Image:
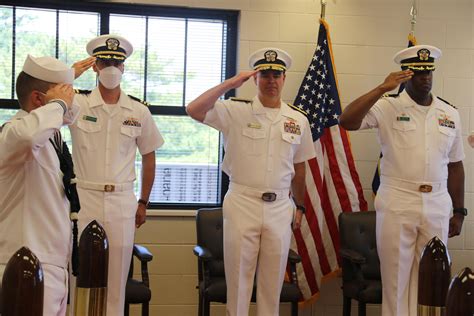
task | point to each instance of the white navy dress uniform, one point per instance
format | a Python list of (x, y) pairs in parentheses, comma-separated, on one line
[(412, 203), (34, 210), (261, 150), (105, 140)]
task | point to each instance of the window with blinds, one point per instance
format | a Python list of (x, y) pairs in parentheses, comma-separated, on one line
[(178, 54)]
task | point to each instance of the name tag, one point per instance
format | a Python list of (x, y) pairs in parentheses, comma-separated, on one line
[(254, 125), (403, 118), (89, 118)]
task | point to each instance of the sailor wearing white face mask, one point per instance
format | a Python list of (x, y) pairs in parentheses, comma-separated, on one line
[(110, 76), (110, 127)]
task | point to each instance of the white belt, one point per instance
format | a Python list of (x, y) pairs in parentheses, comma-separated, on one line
[(105, 187), (266, 195), (424, 187)]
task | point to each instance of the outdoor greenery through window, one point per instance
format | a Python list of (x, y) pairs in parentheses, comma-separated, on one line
[(178, 54)]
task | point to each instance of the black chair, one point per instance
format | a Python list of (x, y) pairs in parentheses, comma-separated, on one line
[(210, 252), (361, 279), (138, 291)]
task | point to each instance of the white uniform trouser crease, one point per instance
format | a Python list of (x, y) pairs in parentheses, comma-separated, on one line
[(256, 239), (116, 213), (406, 221)]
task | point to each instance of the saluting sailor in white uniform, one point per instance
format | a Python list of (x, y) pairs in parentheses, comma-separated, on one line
[(34, 210), (267, 143), (110, 127), (422, 174)]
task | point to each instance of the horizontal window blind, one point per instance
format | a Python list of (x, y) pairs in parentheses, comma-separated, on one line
[(178, 54)]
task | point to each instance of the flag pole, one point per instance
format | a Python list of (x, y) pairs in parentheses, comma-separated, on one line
[(413, 13), (323, 9)]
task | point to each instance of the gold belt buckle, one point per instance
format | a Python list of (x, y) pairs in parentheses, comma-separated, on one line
[(109, 188), (425, 188)]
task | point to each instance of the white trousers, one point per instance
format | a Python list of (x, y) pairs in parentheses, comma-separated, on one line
[(256, 239), (116, 213), (55, 289), (406, 221)]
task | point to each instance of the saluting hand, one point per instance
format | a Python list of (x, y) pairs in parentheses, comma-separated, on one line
[(394, 79), (82, 65), (241, 78), (61, 91)]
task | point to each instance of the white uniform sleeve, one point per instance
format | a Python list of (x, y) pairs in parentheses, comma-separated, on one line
[(457, 150), (372, 119), (219, 116), (150, 138), (20, 137), (305, 150)]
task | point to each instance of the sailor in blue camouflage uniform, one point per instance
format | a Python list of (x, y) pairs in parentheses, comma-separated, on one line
[(267, 143), (422, 174)]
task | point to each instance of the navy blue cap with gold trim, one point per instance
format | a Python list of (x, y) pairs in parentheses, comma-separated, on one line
[(270, 59), (418, 57), (109, 46)]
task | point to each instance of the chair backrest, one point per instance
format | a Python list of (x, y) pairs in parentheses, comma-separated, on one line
[(357, 232), (209, 229)]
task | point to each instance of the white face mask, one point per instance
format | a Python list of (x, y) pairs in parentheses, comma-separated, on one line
[(110, 77)]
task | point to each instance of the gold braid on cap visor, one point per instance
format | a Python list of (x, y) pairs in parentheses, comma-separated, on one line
[(270, 66), (419, 66), (110, 54)]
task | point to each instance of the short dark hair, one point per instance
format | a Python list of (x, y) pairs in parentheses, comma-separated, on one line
[(25, 84)]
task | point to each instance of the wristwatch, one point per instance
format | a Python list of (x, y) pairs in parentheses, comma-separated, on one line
[(460, 210), (301, 208), (144, 202)]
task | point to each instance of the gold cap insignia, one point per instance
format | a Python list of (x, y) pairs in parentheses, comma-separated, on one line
[(270, 55), (112, 43), (423, 54)]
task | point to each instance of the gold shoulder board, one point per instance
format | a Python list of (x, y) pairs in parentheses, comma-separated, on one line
[(240, 100), (447, 103), (390, 95), (139, 100), (297, 109), (79, 91)]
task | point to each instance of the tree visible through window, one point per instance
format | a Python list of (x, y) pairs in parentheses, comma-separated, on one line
[(178, 54)]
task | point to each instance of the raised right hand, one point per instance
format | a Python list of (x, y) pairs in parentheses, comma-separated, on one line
[(82, 65), (394, 79), (61, 91), (241, 78)]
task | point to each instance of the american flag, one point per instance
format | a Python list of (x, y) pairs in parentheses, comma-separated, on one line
[(332, 182)]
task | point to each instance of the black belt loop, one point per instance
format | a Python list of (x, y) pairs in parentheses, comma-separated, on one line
[(269, 196)]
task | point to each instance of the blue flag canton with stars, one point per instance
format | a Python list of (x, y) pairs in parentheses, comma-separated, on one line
[(318, 95)]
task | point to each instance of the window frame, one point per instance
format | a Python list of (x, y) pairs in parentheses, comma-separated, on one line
[(105, 10)]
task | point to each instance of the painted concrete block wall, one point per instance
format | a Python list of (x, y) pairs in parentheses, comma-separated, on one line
[(365, 35)]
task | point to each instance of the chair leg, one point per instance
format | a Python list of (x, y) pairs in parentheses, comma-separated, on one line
[(346, 306), (361, 309), (201, 303), (126, 309), (206, 307), (294, 308), (145, 309)]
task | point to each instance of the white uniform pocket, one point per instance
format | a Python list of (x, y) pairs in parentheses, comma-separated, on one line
[(288, 143), (404, 134), (446, 138), (88, 134), (253, 141), (128, 137)]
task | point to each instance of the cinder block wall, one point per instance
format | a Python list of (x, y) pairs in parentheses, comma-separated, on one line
[(365, 35)]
